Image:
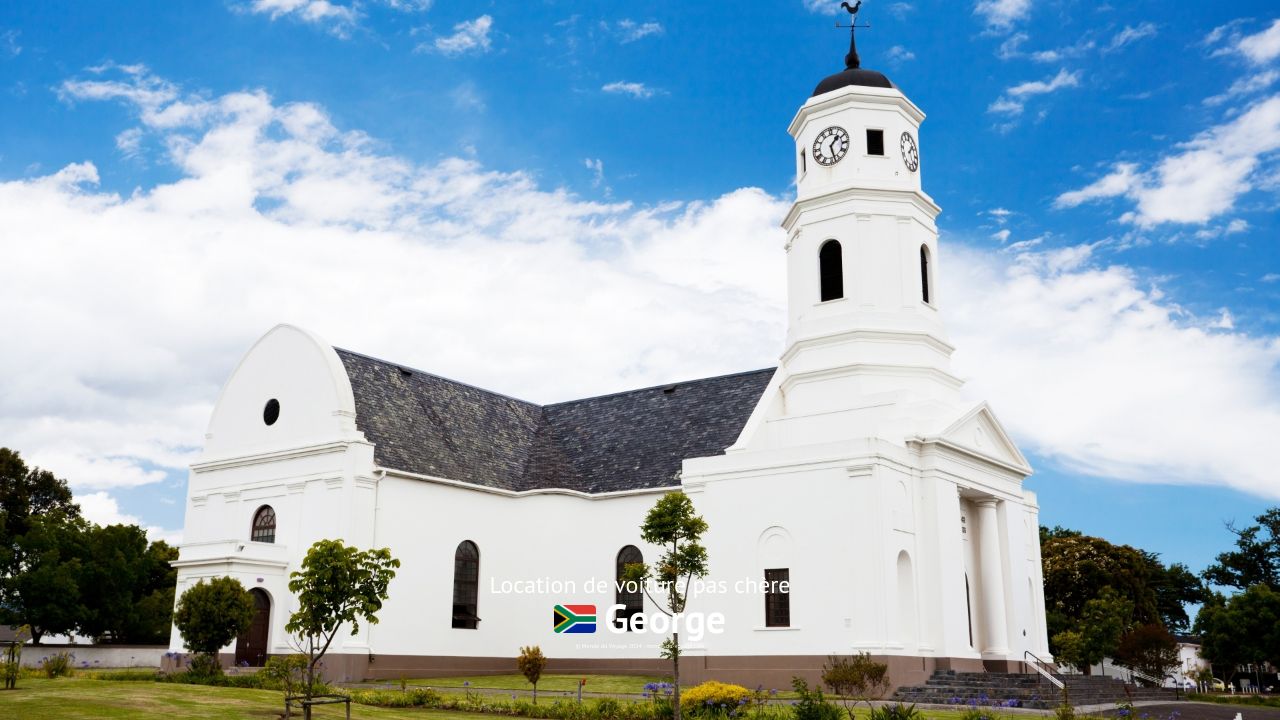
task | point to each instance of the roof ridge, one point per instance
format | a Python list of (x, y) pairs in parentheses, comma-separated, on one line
[(661, 386)]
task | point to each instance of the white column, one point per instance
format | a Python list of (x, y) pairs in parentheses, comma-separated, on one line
[(991, 565)]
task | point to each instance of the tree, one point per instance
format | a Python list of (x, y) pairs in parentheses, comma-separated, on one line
[(1103, 621), (673, 525), (531, 663), (1077, 568), (210, 615), (131, 580), (1256, 559), (1149, 648), (1174, 587), (45, 593), (28, 495), (1242, 629), (337, 585)]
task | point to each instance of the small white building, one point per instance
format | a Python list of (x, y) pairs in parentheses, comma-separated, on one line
[(854, 470)]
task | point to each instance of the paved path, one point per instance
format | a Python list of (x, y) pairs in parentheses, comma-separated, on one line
[(1196, 711)]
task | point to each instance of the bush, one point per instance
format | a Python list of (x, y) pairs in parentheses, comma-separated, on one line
[(286, 673), (978, 713), (56, 665), (608, 709), (209, 616), (531, 663), (812, 705), (417, 697), (129, 675), (713, 697), (898, 711)]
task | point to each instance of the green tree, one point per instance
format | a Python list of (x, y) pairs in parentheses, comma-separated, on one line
[(337, 585), (28, 495), (45, 593), (1103, 621), (1242, 629), (674, 525), (1174, 587), (1149, 648), (1077, 568), (133, 585), (1256, 558), (210, 615), (531, 663)]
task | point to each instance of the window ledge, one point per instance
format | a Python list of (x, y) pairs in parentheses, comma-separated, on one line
[(764, 628)]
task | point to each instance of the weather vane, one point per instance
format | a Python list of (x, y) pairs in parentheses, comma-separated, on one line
[(851, 61)]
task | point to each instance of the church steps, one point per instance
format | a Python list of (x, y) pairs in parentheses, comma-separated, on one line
[(1026, 690)]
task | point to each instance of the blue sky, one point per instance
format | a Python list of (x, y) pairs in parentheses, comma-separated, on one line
[(1122, 149)]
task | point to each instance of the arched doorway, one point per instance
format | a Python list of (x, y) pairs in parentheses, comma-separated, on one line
[(251, 646)]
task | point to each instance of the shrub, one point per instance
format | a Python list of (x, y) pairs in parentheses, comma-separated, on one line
[(209, 616), (713, 697), (416, 697), (978, 713), (56, 665), (812, 705), (531, 662), (285, 673), (897, 711), (608, 709), (204, 666), (129, 675)]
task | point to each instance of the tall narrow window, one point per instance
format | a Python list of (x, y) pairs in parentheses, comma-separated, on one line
[(830, 271), (264, 525), (777, 597), (924, 272), (875, 142), (968, 608), (804, 162), (631, 597), (466, 585)]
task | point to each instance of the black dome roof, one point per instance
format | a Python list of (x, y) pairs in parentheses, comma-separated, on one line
[(852, 76)]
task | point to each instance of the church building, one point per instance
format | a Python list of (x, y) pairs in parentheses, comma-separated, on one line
[(893, 509)]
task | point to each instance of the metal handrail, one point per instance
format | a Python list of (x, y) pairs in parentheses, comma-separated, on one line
[(1039, 666), (1134, 672)]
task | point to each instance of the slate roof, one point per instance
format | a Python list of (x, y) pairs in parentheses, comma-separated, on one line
[(429, 425)]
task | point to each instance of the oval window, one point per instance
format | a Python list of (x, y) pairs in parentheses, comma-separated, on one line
[(271, 412)]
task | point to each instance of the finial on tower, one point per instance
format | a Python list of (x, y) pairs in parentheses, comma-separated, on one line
[(852, 61)]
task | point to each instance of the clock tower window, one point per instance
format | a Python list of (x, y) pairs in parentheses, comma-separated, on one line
[(925, 272), (875, 142), (831, 271)]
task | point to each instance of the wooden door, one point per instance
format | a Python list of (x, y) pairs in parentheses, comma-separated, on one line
[(251, 646)]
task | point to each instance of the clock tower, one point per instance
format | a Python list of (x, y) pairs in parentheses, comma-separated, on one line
[(864, 324)]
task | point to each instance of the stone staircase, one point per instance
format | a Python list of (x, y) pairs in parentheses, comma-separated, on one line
[(947, 687)]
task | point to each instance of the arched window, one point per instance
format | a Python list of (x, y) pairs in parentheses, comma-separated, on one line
[(924, 272), (830, 271), (264, 525), (466, 585), (630, 597)]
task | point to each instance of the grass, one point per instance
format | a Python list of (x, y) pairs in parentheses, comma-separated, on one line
[(611, 684), (74, 699), (82, 699), (1262, 700)]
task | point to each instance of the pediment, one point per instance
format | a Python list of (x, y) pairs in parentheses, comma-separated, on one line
[(979, 432)]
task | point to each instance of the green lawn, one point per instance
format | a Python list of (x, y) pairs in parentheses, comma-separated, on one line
[(613, 684), (72, 698)]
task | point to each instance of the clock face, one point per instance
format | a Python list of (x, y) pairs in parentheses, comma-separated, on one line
[(910, 155), (830, 146)]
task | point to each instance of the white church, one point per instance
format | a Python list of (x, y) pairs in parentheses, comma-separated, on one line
[(854, 470)]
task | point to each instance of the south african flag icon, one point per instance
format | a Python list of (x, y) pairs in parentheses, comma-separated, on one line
[(574, 618)]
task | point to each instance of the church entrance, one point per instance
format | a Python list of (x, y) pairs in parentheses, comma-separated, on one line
[(251, 646)]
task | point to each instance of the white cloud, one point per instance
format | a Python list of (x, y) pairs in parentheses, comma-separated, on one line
[(1014, 100), (1090, 366), (634, 89), (900, 10), (1201, 179), (102, 509), (898, 55), (1270, 277), (596, 166), (630, 30), (1001, 14), (278, 216), (467, 97), (1131, 35), (1262, 47), (1002, 235), (9, 42), (1245, 86), (339, 19), (820, 6), (469, 36), (129, 142)]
